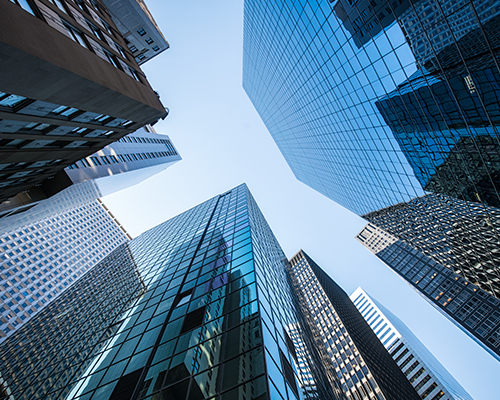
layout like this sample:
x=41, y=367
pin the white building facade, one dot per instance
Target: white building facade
x=429, y=378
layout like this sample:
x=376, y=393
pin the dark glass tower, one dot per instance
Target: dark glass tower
x=473, y=310
x=377, y=103
x=468, y=244
x=199, y=307
x=353, y=352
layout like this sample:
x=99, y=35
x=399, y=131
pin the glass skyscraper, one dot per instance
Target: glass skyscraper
x=426, y=374
x=473, y=310
x=457, y=234
x=378, y=103
x=352, y=352
x=198, y=307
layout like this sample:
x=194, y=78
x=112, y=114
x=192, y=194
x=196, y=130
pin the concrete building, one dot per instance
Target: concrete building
x=175, y=314
x=143, y=150
x=41, y=260
x=354, y=355
x=121, y=164
x=69, y=86
x=426, y=374
x=138, y=27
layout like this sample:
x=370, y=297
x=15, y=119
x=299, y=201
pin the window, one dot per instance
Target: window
x=113, y=60
x=10, y=100
x=107, y=26
x=417, y=374
x=288, y=373
x=141, y=31
x=134, y=74
x=397, y=349
x=76, y=35
x=429, y=390
x=149, y=40
x=438, y=395
x=193, y=320
x=125, y=387
x=132, y=48
x=24, y=5
x=96, y=31
x=183, y=298
x=422, y=383
x=65, y=111
x=290, y=346
x=121, y=50
x=82, y=6
x=59, y=4
x=156, y=48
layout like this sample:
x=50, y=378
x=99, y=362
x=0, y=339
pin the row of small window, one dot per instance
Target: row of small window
x=112, y=159
x=36, y=164
x=16, y=103
x=79, y=37
x=63, y=131
x=135, y=139
x=40, y=144
x=148, y=40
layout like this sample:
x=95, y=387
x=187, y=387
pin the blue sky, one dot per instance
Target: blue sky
x=223, y=143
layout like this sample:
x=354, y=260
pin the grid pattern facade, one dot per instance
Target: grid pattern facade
x=460, y=235
x=373, y=103
x=408, y=357
x=359, y=361
x=141, y=149
x=40, y=261
x=83, y=93
x=346, y=363
x=475, y=311
x=58, y=344
x=209, y=315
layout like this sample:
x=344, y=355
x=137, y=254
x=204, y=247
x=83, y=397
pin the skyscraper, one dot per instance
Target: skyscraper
x=354, y=353
x=473, y=310
x=460, y=235
x=40, y=260
x=376, y=103
x=423, y=370
x=121, y=164
x=138, y=27
x=197, y=307
x=143, y=150
x=69, y=86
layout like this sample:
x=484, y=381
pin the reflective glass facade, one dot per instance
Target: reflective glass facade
x=473, y=310
x=412, y=357
x=205, y=312
x=354, y=354
x=376, y=103
x=57, y=345
x=460, y=235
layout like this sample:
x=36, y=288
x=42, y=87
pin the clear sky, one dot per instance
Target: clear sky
x=223, y=143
